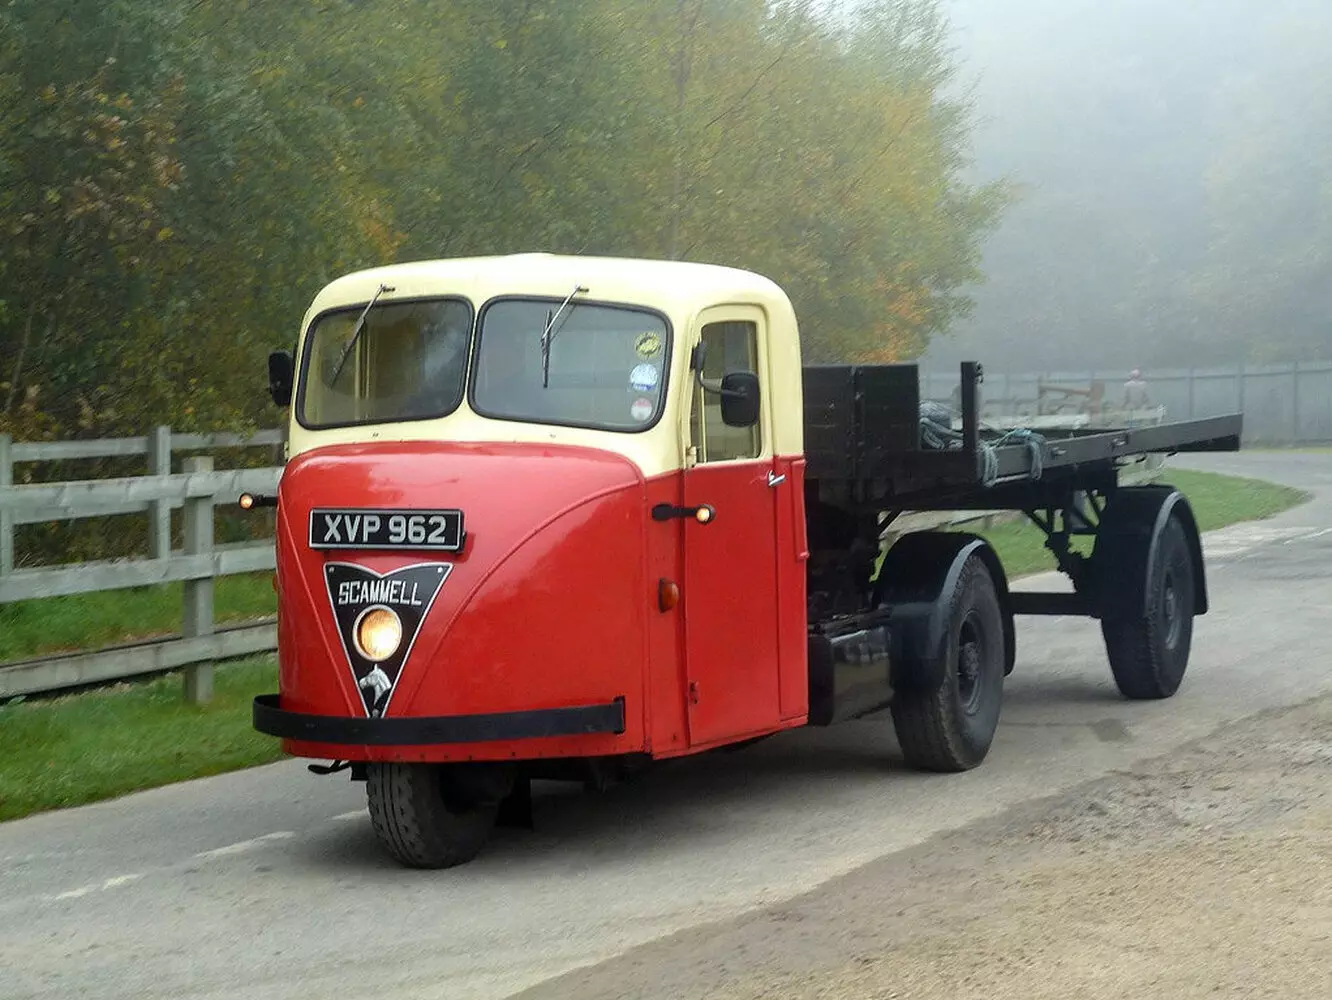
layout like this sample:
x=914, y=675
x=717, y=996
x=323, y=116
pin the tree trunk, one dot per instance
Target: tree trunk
x=17, y=373
x=683, y=58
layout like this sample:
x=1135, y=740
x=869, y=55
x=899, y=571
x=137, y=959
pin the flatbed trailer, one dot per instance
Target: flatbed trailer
x=869, y=463
x=862, y=437
x=559, y=517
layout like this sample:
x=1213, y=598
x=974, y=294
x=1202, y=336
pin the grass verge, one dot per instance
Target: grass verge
x=89, y=621
x=1217, y=501
x=95, y=745
x=85, y=747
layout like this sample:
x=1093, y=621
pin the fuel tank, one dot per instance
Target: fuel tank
x=542, y=609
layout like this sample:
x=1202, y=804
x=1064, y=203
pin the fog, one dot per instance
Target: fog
x=1175, y=170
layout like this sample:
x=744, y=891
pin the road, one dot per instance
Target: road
x=268, y=884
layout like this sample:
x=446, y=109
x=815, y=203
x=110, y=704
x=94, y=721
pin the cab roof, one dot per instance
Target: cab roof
x=669, y=285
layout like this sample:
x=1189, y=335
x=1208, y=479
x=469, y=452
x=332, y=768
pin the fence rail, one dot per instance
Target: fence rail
x=196, y=491
x=43, y=674
x=135, y=447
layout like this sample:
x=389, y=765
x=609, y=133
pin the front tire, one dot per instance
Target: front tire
x=951, y=728
x=1149, y=654
x=429, y=815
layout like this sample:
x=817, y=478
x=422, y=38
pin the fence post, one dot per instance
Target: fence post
x=159, y=511
x=1295, y=404
x=6, y=516
x=198, y=617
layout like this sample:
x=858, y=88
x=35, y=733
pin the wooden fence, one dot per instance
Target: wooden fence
x=196, y=490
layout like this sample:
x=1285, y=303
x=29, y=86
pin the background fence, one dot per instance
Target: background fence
x=1282, y=404
x=196, y=490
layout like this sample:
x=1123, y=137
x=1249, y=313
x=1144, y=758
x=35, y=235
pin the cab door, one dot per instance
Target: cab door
x=730, y=562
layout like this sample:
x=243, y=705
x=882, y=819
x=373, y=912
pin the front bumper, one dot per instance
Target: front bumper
x=579, y=720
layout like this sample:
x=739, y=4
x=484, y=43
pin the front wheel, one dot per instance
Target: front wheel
x=951, y=727
x=432, y=815
x=1149, y=654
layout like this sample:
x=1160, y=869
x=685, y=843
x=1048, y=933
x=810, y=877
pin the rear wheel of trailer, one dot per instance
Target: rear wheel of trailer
x=1148, y=644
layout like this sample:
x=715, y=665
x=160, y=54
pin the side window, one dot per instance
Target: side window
x=732, y=346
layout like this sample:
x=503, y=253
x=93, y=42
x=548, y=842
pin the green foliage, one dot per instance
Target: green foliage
x=178, y=178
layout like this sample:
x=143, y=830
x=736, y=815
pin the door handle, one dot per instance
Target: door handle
x=775, y=480
x=703, y=514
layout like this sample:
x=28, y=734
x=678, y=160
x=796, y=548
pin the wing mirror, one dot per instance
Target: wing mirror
x=739, y=391
x=281, y=375
x=740, y=399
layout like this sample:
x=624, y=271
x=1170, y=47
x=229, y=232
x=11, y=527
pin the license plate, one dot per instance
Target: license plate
x=360, y=528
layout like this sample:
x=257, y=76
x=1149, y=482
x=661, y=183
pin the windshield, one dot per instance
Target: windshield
x=605, y=368
x=408, y=363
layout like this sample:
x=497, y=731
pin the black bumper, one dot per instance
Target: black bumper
x=580, y=720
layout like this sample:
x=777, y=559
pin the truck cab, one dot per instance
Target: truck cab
x=540, y=508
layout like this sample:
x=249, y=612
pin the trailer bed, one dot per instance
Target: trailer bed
x=866, y=440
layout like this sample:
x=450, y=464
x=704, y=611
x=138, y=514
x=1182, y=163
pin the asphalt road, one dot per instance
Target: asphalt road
x=269, y=884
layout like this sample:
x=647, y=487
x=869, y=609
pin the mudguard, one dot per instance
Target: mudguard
x=1125, y=554
x=916, y=581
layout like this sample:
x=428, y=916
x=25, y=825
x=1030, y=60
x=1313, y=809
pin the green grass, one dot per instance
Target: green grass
x=95, y=745
x=89, y=621
x=81, y=748
x=1217, y=501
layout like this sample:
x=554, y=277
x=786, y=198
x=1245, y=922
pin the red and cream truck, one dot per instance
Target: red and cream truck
x=557, y=517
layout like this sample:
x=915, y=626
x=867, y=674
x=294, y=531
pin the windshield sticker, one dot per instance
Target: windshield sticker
x=648, y=345
x=641, y=410
x=643, y=378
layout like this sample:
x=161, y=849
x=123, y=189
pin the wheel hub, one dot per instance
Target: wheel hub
x=970, y=661
x=1170, y=611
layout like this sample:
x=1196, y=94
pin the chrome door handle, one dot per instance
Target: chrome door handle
x=776, y=480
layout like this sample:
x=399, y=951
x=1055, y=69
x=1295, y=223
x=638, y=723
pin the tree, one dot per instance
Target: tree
x=181, y=178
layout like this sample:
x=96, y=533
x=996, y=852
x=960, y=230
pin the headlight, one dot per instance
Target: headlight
x=378, y=634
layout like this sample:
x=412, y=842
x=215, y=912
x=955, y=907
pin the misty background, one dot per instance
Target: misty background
x=1175, y=170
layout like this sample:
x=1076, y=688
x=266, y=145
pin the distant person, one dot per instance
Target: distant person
x=1135, y=392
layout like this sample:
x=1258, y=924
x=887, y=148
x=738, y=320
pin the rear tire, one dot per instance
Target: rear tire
x=1149, y=654
x=951, y=728
x=429, y=815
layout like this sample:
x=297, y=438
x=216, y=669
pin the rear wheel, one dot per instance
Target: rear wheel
x=1149, y=654
x=951, y=727
x=433, y=815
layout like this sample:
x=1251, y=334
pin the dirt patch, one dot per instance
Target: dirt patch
x=1207, y=873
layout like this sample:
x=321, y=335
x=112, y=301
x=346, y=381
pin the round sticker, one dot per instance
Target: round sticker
x=641, y=410
x=648, y=345
x=643, y=378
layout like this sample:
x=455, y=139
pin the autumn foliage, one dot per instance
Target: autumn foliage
x=178, y=177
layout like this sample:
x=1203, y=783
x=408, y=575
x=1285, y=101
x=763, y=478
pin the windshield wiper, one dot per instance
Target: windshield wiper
x=356, y=332
x=548, y=336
